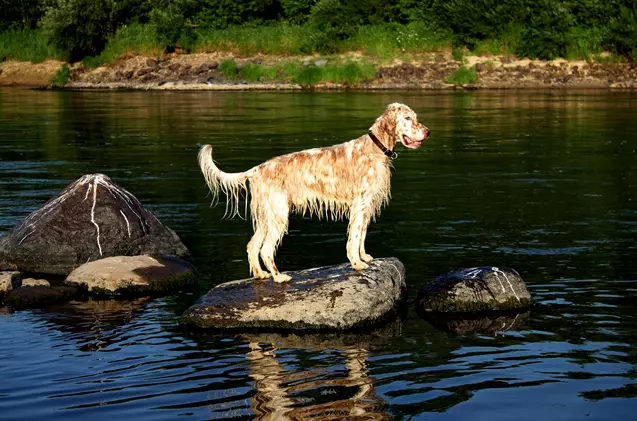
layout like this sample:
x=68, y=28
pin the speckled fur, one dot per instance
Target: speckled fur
x=351, y=180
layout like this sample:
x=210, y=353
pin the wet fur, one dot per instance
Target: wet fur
x=349, y=180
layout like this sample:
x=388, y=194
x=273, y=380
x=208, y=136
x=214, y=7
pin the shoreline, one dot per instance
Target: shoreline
x=200, y=72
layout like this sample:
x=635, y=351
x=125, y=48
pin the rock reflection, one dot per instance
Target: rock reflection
x=94, y=323
x=486, y=323
x=316, y=394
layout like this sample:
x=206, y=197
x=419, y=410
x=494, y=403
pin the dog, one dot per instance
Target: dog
x=351, y=179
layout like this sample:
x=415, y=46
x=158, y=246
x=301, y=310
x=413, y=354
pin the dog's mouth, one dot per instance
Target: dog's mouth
x=412, y=143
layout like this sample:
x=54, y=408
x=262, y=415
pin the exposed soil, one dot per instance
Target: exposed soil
x=200, y=72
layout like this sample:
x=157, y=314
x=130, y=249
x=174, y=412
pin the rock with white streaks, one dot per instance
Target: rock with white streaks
x=474, y=290
x=326, y=298
x=92, y=218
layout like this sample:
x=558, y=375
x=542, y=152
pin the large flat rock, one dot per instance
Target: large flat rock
x=326, y=298
x=131, y=275
x=92, y=218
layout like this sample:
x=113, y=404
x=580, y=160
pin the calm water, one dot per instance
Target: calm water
x=544, y=182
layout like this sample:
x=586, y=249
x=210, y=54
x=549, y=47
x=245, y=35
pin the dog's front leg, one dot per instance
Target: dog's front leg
x=354, y=237
x=364, y=256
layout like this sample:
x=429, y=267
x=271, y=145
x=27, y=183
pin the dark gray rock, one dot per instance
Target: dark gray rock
x=473, y=290
x=326, y=298
x=91, y=219
x=125, y=275
x=39, y=296
x=150, y=62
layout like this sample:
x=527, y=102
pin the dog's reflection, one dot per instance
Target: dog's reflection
x=276, y=389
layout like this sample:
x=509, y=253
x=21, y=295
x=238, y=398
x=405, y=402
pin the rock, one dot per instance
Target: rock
x=151, y=62
x=144, y=72
x=473, y=290
x=490, y=323
x=320, y=62
x=39, y=296
x=148, y=77
x=9, y=280
x=174, y=67
x=326, y=298
x=212, y=65
x=91, y=218
x=30, y=282
x=132, y=275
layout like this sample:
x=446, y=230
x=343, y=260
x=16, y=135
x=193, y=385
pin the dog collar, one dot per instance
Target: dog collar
x=390, y=153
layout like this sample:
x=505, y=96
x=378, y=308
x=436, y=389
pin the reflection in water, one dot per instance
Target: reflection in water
x=277, y=390
x=490, y=323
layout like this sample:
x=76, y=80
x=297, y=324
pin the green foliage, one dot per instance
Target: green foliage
x=463, y=76
x=26, y=45
x=248, y=40
x=547, y=33
x=62, y=76
x=79, y=27
x=457, y=53
x=129, y=39
x=229, y=68
x=172, y=25
x=297, y=11
x=623, y=33
x=309, y=76
x=225, y=13
x=20, y=14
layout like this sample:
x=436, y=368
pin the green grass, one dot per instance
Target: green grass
x=62, y=76
x=348, y=73
x=129, y=39
x=25, y=45
x=229, y=68
x=279, y=39
x=463, y=76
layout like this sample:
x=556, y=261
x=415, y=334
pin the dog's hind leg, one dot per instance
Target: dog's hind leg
x=276, y=219
x=357, y=223
x=254, y=246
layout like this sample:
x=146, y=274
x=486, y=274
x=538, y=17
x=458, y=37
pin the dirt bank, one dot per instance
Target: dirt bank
x=201, y=72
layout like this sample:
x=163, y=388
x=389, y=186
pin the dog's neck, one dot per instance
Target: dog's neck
x=387, y=140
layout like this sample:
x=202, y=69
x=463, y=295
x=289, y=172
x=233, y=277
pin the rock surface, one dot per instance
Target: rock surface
x=30, y=282
x=132, y=275
x=473, y=290
x=39, y=296
x=326, y=298
x=92, y=218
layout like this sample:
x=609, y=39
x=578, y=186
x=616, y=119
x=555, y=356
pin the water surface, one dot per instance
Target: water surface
x=541, y=181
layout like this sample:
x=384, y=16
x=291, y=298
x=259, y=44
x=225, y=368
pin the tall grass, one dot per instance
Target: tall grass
x=129, y=39
x=463, y=76
x=279, y=39
x=27, y=45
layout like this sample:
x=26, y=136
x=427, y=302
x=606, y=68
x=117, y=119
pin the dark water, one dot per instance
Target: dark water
x=544, y=182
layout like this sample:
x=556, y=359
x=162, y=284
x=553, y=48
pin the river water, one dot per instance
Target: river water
x=541, y=181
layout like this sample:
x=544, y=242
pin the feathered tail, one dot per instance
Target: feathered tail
x=233, y=185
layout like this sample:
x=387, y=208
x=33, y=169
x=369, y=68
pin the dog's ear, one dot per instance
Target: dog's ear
x=386, y=124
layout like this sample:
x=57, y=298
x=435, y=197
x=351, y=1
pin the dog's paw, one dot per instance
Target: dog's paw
x=281, y=277
x=366, y=258
x=359, y=265
x=262, y=274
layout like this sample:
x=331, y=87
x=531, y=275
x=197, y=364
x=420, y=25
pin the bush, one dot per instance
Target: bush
x=62, y=76
x=623, y=33
x=229, y=68
x=297, y=11
x=463, y=76
x=225, y=13
x=79, y=27
x=171, y=24
x=20, y=14
x=547, y=33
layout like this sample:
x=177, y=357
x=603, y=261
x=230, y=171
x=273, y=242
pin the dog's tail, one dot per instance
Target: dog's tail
x=233, y=185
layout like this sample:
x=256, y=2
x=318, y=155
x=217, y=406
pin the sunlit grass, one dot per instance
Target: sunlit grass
x=129, y=39
x=26, y=45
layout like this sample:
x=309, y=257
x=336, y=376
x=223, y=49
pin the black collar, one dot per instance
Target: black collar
x=389, y=152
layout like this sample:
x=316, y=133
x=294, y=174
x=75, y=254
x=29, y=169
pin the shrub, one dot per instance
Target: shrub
x=171, y=24
x=547, y=33
x=623, y=33
x=229, y=68
x=463, y=76
x=79, y=27
x=20, y=14
x=62, y=76
x=297, y=11
x=225, y=13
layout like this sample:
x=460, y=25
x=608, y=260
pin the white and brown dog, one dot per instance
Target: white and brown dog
x=347, y=180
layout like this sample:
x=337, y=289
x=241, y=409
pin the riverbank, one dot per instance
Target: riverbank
x=213, y=71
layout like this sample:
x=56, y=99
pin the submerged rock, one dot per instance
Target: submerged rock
x=330, y=298
x=473, y=290
x=92, y=218
x=133, y=275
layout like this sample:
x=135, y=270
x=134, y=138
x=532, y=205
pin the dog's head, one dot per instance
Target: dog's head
x=399, y=123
